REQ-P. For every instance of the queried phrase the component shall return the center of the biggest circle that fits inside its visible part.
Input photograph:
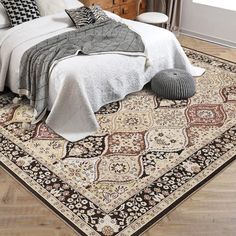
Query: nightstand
(125, 8)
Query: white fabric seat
(152, 18)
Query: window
(225, 4)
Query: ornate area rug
(148, 155)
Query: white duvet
(80, 85)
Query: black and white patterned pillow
(20, 11)
(81, 16)
(99, 14)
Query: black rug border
(43, 200)
(184, 197)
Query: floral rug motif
(148, 155)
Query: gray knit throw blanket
(105, 37)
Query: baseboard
(208, 38)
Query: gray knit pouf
(173, 84)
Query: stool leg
(168, 26)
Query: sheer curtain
(172, 8)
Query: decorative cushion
(48, 7)
(99, 14)
(81, 16)
(173, 84)
(4, 21)
(87, 15)
(20, 11)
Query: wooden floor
(209, 212)
(209, 48)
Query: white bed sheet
(80, 85)
(2, 32)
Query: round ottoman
(173, 84)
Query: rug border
(207, 54)
(184, 197)
(37, 196)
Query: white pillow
(73, 4)
(4, 20)
(48, 7)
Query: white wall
(209, 23)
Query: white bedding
(80, 85)
(2, 32)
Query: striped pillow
(81, 16)
(99, 14)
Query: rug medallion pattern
(148, 154)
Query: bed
(80, 85)
(2, 31)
